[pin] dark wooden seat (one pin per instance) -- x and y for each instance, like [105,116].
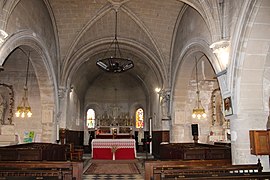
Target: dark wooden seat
[193,151]
[204,170]
[75,154]
[59,169]
[33,152]
[151,164]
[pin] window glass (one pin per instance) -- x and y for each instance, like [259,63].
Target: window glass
[90,118]
[139,118]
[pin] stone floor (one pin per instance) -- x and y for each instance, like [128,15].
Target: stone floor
[140,156]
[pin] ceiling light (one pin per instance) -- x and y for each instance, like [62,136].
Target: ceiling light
[115,63]
[157,90]
[199,111]
[24,108]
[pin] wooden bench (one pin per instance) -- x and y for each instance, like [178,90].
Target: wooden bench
[59,169]
[209,171]
[193,151]
[33,151]
[151,164]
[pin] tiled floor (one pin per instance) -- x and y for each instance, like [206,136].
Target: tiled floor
[140,176]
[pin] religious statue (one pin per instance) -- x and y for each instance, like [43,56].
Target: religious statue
[228,106]
[3,106]
[165,103]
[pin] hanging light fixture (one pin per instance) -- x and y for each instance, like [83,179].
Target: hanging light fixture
[24,108]
[115,64]
[199,111]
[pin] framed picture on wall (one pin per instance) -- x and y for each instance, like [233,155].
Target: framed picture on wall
[227,106]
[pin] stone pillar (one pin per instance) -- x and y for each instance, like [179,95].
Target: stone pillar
[240,141]
[63,99]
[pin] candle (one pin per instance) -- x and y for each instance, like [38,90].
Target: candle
[57,132]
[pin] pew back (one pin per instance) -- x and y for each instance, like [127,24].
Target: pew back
[151,164]
[213,169]
[67,170]
[33,151]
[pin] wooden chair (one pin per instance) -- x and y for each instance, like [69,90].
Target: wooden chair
[75,154]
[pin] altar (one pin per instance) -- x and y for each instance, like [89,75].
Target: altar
[114,149]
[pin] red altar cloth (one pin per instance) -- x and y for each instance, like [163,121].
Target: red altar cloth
[123,149]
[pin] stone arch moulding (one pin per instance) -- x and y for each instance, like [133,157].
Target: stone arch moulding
[192,47]
[182,67]
[42,68]
[207,13]
[240,40]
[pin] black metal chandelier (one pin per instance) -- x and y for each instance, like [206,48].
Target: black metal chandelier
[115,63]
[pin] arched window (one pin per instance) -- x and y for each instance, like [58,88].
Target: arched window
[139,118]
[90,118]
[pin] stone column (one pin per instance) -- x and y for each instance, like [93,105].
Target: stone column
[240,141]
[63,102]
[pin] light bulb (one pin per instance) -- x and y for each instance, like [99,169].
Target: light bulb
[29,114]
[17,114]
[199,116]
[193,115]
[204,115]
[23,114]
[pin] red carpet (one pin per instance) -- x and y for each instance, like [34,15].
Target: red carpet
[113,167]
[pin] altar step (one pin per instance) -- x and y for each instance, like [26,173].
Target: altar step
[143,156]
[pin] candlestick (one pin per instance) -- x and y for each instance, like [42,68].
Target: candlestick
[57,132]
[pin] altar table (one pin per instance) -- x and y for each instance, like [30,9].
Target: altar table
[114,149]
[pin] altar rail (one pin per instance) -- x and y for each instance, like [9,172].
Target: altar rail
[55,169]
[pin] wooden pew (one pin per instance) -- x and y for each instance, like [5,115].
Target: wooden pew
[151,164]
[193,151]
[33,151]
[61,169]
[207,170]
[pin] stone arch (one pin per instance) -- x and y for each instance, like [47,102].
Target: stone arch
[46,78]
[243,51]
[181,80]
[206,10]
[199,43]
[196,45]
